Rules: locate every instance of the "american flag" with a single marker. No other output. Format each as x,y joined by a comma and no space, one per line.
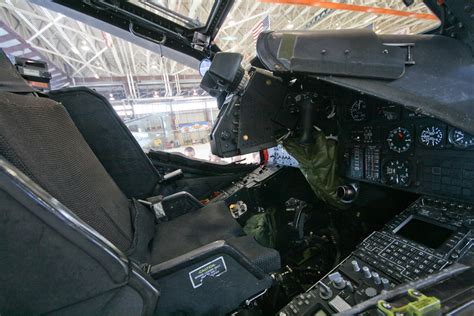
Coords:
263,25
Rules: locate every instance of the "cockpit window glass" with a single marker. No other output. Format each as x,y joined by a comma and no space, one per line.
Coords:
248,19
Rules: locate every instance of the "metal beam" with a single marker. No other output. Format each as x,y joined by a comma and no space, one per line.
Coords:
44,28
90,60
68,58
69,42
43,38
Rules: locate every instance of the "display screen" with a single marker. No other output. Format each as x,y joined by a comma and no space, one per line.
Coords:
427,234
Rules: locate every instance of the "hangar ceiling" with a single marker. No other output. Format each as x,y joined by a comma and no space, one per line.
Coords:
87,54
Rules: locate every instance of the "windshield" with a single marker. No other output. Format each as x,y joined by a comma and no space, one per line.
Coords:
248,19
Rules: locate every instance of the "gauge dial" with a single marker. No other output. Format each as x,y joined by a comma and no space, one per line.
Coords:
399,139
358,111
431,136
397,172
461,139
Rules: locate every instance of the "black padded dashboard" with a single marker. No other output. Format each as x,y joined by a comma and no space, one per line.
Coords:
386,144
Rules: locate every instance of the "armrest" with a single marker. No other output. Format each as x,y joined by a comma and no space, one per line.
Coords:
180,203
219,247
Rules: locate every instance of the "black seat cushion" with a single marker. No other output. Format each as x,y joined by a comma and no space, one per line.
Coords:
208,224
192,230
267,259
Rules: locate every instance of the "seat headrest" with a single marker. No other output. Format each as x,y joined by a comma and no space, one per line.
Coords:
10,79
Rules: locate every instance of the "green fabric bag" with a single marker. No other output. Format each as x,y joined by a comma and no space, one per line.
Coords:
263,227
318,163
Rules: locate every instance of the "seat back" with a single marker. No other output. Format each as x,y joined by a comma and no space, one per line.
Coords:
38,137
110,140
52,263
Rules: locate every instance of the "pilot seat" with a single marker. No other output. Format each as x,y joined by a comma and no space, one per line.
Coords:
72,242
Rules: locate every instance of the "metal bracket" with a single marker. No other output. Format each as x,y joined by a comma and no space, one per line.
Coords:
200,41
409,47
250,300
156,208
146,267
159,42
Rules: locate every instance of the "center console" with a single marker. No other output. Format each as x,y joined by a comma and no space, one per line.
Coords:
428,236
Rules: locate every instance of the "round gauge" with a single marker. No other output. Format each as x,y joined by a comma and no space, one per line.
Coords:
397,172
461,139
359,111
431,136
399,139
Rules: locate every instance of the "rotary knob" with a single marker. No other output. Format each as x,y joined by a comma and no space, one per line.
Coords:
366,272
376,278
337,280
355,266
385,283
325,291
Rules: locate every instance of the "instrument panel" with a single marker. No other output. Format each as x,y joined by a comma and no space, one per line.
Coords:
386,144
